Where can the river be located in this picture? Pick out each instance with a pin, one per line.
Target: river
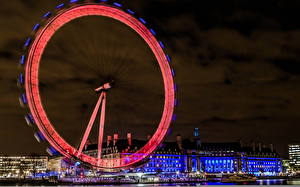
(258, 182)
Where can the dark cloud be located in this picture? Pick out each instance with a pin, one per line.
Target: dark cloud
(237, 69)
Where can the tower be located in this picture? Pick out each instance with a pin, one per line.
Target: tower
(197, 138)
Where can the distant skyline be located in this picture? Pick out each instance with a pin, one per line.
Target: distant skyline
(237, 69)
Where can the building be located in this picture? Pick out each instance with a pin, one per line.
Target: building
(167, 159)
(294, 156)
(231, 157)
(194, 157)
(23, 166)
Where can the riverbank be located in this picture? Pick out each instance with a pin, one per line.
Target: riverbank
(89, 181)
(49, 182)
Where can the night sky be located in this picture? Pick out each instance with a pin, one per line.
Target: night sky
(237, 68)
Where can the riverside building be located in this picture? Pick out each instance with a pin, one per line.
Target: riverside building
(192, 157)
(22, 166)
(294, 156)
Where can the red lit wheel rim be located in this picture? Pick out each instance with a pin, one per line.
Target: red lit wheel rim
(35, 104)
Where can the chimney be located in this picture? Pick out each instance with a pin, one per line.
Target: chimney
(253, 146)
(272, 147)
(115, 138)
(148, 137)
(129, 138)
(108, 140)
(179, 141)
(259, 146)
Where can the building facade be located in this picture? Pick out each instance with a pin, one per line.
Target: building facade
(233, 157)
(23, 166)
(164, 162)
(193, 156)
(294, 156)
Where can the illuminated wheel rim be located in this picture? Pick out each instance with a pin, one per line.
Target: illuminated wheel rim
(32, 60)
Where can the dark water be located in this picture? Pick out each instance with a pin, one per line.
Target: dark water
(258, 182)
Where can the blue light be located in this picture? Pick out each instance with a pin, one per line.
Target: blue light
(161, 44)
(29, 119)
(175, 102)
(117, 4)
(24, 99)
(175, 87)
(22, 60)
(130, 11)
(39, 136)
(21, 79)
(27, 42)
(168, 58)
(47, 15)
(166, 163)
(153, 32)
(173, 72)
(52, 151)
(73, 1)
(35, 27)
(142, 20)
(174, 117)
(77, 163)
(104, 0)
(60, 6)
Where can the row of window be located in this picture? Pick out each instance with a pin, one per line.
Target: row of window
(218, 161)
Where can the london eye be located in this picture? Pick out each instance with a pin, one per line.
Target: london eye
(100, 88)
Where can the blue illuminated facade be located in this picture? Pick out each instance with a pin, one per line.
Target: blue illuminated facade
(194, 157)
(171, 163)
(215, 158)
(164, 163)
(218, 164)
(266, 166)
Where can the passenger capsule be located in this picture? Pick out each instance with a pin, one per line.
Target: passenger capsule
(39, 136)
(29, 119)
(27, 42)
(142, 20)
(168, 58)
(35, 27)
(173, 72)
(23, 100)
(161, 44)
(20, 80)
(22, 60)
(130, 11)
(51, 151)
(153, 32)
(174, 117)
(47, 15)
(176, 102)
(60, 6)
(117, 4)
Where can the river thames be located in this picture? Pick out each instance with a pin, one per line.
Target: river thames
(258, 182)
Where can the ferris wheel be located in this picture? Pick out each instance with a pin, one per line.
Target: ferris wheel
(29, 80)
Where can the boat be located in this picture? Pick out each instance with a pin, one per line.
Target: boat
(213, 177)
(238, 178)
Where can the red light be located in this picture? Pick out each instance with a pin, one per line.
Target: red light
(35, 103)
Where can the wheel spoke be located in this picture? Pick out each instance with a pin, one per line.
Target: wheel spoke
(101, 127)
(90, 124)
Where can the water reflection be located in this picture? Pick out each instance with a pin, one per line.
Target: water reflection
(258, 182)
(294, 182)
